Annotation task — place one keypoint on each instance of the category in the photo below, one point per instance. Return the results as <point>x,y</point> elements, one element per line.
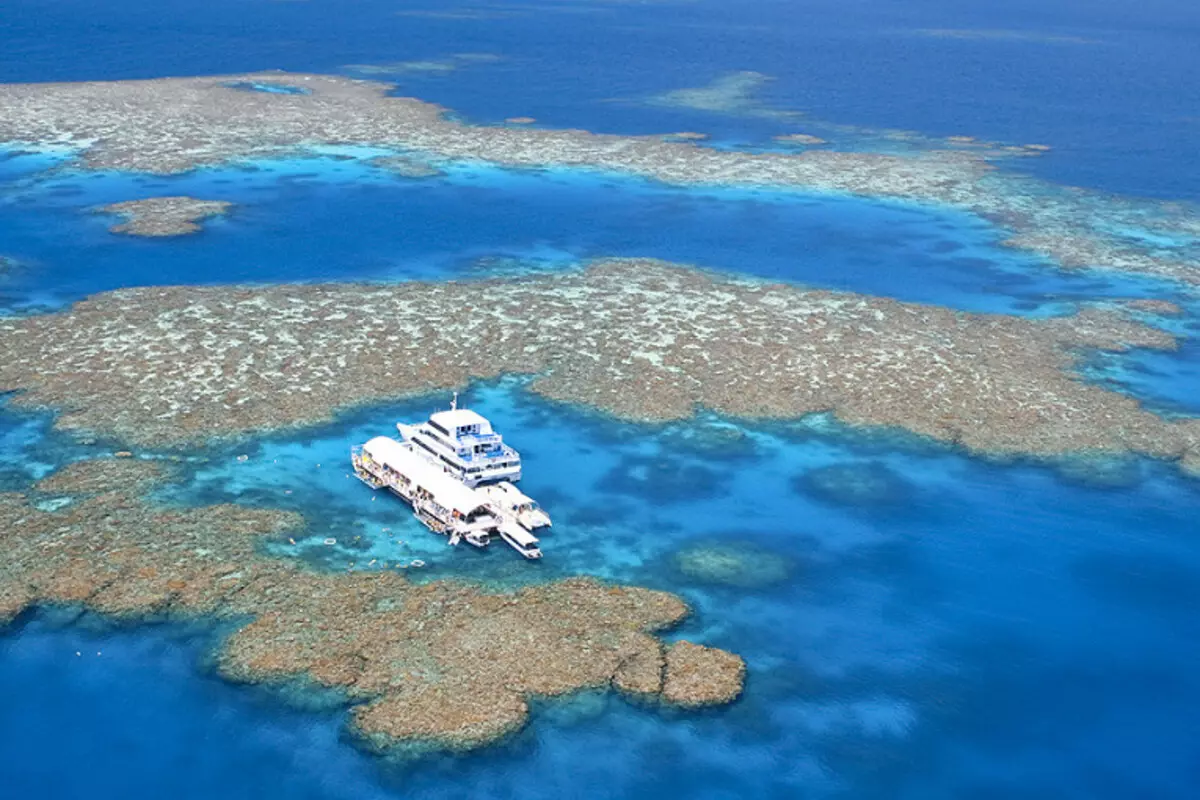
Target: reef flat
<point>641,339</point>
<point>800,138</point>
<point>163,216</point>
<point>1191,463</point>
<point>444,663</point>
<point>407,166</point>
<point>176,124</point>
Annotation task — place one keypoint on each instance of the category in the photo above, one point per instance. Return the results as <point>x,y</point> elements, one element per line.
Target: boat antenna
<point>454,402</point>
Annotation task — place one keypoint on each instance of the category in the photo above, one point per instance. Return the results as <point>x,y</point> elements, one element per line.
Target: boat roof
<point>448,491</point>
<point>513,494</point>
<point>456,418</point>
<point>519,534</point>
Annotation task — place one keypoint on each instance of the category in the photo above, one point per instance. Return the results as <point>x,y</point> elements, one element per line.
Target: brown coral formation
<point>1080,250</point>
<point>800,138</point>
<point>97,476</point>
<point>639,338</point>
<point>442,662</point>
<point>732,563</point>
<point>698,675</point>
<point>175,124</point>
<point>163,216</point>
<point>407,166</point>
<point>1164,308</point>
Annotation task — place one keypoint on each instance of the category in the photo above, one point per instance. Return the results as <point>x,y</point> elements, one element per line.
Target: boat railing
<point>479,438</point>
<point>505,452</point>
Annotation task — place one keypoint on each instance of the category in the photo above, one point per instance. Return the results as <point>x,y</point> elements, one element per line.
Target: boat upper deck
<point>460,421</point>
<point>466,435</point>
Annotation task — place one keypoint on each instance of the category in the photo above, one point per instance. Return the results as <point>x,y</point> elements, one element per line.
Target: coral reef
<point>1082,250</point>
<point>730,562</point>
<point>1163,308</point>
<point>163,216</point>
<point>640,339</point>
<point>440,66</point>
<point>1190,463</point>
<point>1099,470</point>
<point>735,93</point>
<point>664,478</point>
<point>857,485</point>
<point>175,124</point>
<point>709,439</point>
<point>697,675</point>
<point>444,662</point>
<point>800,138</point>
<point>402,67</point>
<point>407,166</point>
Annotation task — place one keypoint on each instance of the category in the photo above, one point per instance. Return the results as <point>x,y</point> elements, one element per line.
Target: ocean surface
<point>917,623</point>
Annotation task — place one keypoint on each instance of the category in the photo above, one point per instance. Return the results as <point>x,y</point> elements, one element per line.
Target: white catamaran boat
<point>436,470</point>
<point>463,443</point>
<point>443,504</point>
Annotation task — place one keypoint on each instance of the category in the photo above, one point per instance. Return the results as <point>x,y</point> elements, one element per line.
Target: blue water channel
<point>326,219</point>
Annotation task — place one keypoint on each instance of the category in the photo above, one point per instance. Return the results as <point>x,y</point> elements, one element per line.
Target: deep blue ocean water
<point>324,219</point>
<point>926,625</point>
<point>1114,87</point>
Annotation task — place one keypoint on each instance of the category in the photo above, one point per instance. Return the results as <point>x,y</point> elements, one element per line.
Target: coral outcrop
<point>698,676</point>
<point>444,663</point>
<point>732,562</point>
<point>163,216</point>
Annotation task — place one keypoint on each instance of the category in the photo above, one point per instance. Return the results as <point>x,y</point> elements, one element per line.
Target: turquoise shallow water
<point>917,623</point>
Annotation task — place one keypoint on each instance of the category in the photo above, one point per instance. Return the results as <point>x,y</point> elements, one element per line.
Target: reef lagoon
<point>917,619</point>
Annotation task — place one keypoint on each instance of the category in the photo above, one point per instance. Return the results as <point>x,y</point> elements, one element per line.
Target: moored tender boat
<point>512,501</point>
<point>519,539</point>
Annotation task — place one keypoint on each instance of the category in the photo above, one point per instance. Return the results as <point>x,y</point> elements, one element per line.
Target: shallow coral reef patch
<point>443,662</point>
